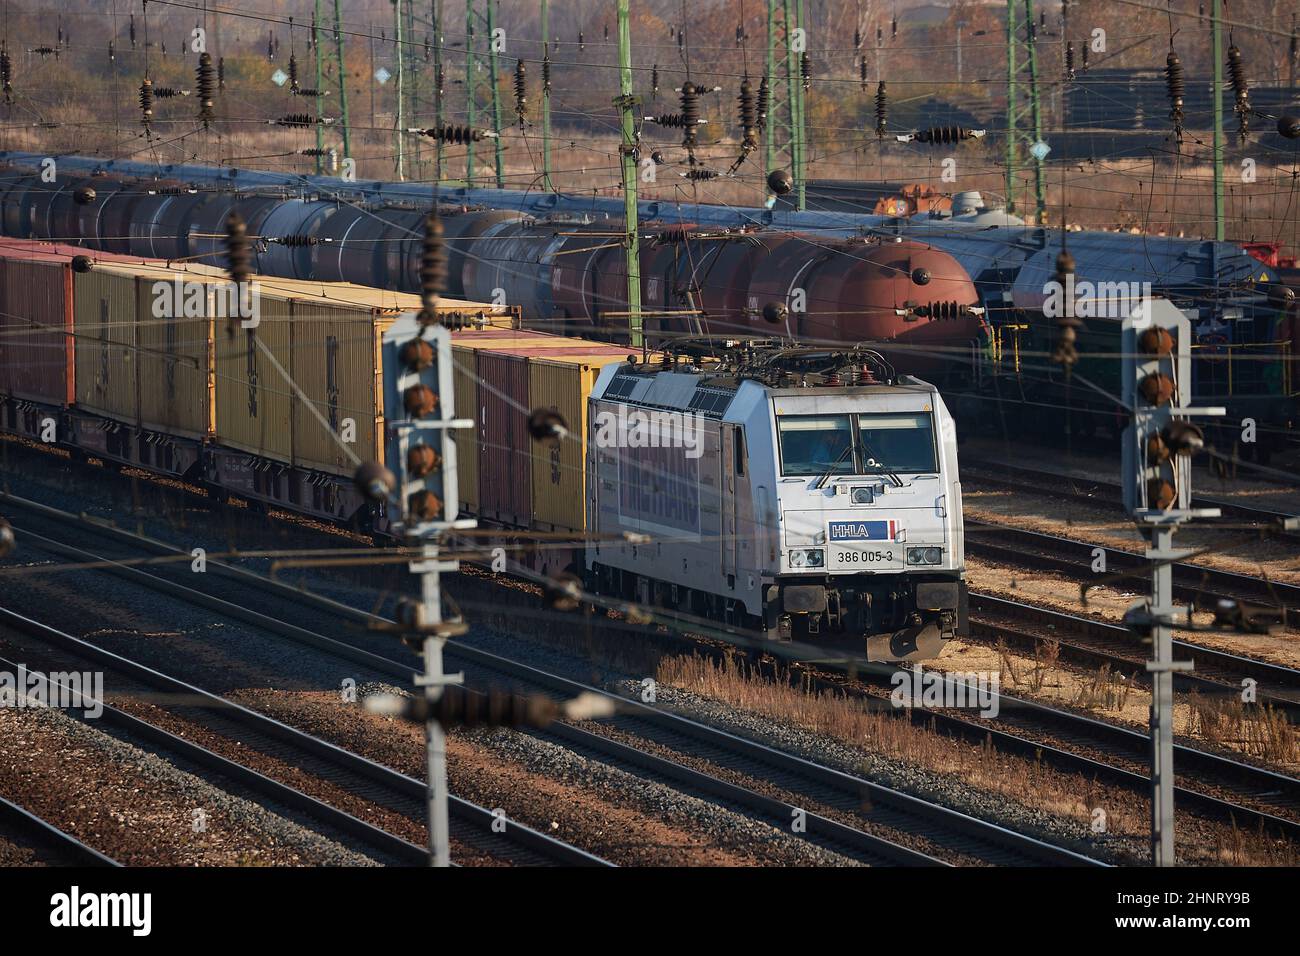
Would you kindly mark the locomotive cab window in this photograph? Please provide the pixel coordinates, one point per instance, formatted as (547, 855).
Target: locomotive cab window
(897, 442)
(886, 443)
(816, 444)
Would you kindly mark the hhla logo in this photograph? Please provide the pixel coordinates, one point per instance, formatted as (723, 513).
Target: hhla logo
(181, 299)
(76, 909)
(1097, 300)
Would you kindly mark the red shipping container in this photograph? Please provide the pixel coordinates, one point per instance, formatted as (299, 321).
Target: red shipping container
(504, 454)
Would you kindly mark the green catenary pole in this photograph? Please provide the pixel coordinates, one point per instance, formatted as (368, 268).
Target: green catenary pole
(343, 85)
(801, 125)
(1036, 116)
(495, 79)
(1012, 17)
(793, 91)
(769, 134)
(471, 110)
(546, 98)
(628, 151)
(399, 117)
(1216, 27)
(437, 91)
(315, 45)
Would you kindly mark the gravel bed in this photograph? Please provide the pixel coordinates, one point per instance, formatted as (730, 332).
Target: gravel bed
(139, 809)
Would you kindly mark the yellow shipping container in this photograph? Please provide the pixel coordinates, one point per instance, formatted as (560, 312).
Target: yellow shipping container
(563, 383)
(254, 397)
(175, 340)
(105, 338)
(337, 363)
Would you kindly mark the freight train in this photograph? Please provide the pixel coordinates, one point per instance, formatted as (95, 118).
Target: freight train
(813, 492)
(957, 298)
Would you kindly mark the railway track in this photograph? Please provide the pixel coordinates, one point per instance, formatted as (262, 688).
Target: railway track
(875, 808)
(1101, 494)
(257, 733)
(52, 846)
(1192, 582)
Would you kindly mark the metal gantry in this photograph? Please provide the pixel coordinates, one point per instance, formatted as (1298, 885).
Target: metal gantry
(1024, 119)
(785, 114)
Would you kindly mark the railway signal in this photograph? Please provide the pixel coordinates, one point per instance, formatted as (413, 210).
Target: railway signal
(422, 494)
(1156, 475)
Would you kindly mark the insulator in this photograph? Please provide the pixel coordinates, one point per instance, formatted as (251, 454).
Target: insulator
(764, 103)
(270, 45)
(882, 110)
(582, 41)
(455, 134)
(546, 73)
(132, 31)
(441, 79)
(1066, 324)
(893, 28)
(1069, 61)
(44, 51)
(293, 72)
(945, 310)
(310, 91)
(1084, 50)
(673, 234)
(946, 134)
(681, 38)
(112, 55)
(239, 258)
(690, 115)
(748, 114)
(654, 80)
(1237, 80)
(298, 241)
(700, 173)
(1176, 87)
(740, 34)
(168, 92)
(433, 267)
(521, 92)
(805, 72)
(146, 101)
(296, 120)
(313, 151)
(862, 72)
(205, 80)
(6, 75)
(221, 72)
(857, 38)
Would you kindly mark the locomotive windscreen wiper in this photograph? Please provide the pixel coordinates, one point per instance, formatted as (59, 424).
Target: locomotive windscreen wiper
(875, 456)
(835, 464)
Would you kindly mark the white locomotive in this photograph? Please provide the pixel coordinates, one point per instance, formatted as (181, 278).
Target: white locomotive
(801, 492)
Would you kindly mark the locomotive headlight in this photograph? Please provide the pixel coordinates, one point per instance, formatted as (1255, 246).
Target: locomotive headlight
(924, 555)
(863, 496)
(807, 557)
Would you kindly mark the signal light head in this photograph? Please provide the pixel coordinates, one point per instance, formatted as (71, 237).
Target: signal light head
(416, 355)
(1156, 341)
(1161, 493)
(424, 505)
(1157, 388)
(421, 460)
(419, 401)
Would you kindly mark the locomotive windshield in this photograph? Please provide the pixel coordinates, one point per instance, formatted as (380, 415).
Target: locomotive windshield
(886, 442)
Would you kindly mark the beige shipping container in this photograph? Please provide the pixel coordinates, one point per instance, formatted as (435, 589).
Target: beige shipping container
(563, 384)
(175, 346)
(337, 364)
(254, 398)
(105, 319)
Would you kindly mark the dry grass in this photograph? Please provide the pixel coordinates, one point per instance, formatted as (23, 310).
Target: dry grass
(1262, 732)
